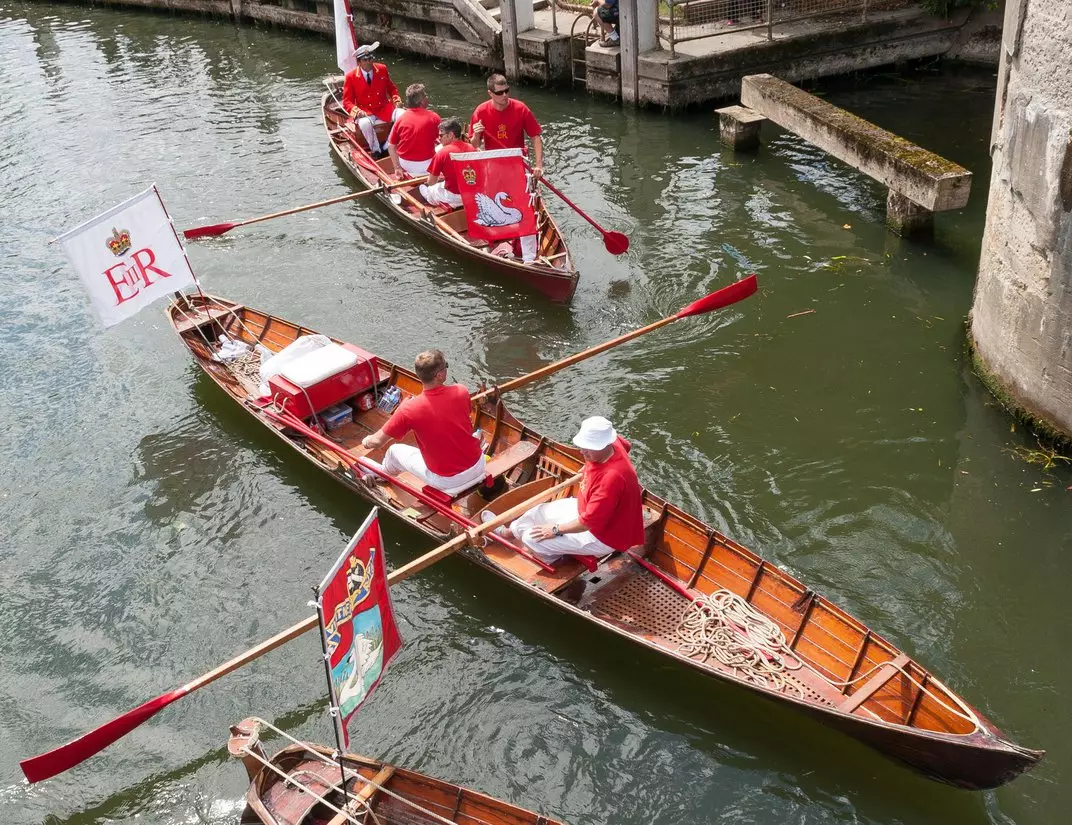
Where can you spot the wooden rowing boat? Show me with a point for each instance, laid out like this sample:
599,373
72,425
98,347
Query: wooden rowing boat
302,785
552,273
837,669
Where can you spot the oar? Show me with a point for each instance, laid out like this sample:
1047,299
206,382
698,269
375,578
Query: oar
63,758
217,229
716,300
615,242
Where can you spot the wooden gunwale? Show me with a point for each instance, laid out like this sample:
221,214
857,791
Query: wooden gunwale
556,282
775,592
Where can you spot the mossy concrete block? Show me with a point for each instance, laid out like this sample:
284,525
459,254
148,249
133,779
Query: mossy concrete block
738,127
916,173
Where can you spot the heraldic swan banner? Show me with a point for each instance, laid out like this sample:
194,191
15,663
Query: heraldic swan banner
493,212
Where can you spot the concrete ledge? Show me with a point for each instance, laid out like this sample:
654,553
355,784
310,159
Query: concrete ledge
738,127
916,173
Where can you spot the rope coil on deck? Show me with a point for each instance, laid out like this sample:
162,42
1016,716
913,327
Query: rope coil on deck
724,626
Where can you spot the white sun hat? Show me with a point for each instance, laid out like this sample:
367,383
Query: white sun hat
595,434
364,52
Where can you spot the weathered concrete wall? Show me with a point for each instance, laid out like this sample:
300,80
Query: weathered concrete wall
1021,324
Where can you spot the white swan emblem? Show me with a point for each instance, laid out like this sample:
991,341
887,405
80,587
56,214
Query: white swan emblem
493,213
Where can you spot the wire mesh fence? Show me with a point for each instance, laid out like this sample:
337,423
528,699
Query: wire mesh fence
683,20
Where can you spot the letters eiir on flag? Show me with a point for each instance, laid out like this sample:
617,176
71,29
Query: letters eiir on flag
494,190
128,257
357,623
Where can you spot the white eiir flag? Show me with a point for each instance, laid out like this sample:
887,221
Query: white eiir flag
345,45
128,257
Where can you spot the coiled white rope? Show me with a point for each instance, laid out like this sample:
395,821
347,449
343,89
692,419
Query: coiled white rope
725,626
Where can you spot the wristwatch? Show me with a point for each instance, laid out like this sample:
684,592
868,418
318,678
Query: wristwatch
555,530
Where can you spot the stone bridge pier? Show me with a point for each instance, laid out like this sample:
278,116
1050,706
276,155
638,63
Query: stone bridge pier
1021,322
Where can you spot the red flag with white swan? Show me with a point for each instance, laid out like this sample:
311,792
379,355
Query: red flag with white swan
494,186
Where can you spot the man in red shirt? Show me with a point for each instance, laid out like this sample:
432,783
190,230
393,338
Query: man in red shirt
502,123
447,456
442,184
414,136
370,97
606,516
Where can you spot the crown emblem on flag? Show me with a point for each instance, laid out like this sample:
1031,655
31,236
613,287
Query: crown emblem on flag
119,243
469,175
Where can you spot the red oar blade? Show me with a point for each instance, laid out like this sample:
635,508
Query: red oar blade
616,242
78,750
721,298
208,231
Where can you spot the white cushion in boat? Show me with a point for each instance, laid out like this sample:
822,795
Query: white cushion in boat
318,365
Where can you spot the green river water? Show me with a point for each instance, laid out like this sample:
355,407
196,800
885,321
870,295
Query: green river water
149,530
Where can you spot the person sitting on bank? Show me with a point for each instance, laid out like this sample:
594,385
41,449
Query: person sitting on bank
413,139
606,516
442,184
447,456
605,13
370,97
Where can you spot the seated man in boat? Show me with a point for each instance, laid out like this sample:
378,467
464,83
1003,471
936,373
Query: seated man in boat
503,123
370,97
442,184
413,139
606,516
447,455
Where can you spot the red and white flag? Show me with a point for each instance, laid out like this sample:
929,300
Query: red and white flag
357,622
494,186
345,43
128,257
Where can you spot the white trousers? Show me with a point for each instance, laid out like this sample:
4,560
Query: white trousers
403,457
437,194
416,168
568,544
366,123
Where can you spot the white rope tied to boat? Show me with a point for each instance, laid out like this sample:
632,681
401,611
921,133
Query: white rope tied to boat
724,626
727,627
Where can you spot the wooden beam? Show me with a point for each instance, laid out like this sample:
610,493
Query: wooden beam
885,672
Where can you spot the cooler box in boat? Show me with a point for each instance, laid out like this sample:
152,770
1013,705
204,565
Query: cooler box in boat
323,377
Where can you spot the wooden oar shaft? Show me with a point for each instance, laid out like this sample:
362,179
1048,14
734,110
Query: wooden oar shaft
386,187
404,572
75,752
550,369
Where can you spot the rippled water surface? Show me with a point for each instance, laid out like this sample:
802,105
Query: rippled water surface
148,531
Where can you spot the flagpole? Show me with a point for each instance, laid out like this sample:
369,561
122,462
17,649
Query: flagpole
186,257
336,712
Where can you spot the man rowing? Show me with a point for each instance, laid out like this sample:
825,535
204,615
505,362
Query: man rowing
502,123
369,96
413,139
606,516
442,184
447,455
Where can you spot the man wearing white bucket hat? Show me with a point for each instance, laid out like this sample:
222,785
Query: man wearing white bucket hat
370,97
606,516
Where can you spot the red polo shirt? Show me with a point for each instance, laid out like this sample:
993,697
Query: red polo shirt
439,419
505,129
610,503
443,166
414,134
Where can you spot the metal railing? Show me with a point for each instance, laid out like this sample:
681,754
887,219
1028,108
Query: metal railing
682,20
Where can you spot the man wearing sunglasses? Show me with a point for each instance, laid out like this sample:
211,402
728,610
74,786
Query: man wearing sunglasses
502,123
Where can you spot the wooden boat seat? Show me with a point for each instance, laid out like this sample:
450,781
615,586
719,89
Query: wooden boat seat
368,790
193,319
886,672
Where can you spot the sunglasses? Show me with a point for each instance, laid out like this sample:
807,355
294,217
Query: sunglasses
498,92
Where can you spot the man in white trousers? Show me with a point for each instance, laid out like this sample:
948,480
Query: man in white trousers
606,516
447,456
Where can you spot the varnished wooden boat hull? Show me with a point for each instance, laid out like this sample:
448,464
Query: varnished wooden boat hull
397,797
557,279
900,710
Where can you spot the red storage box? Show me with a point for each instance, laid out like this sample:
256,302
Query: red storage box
323,378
